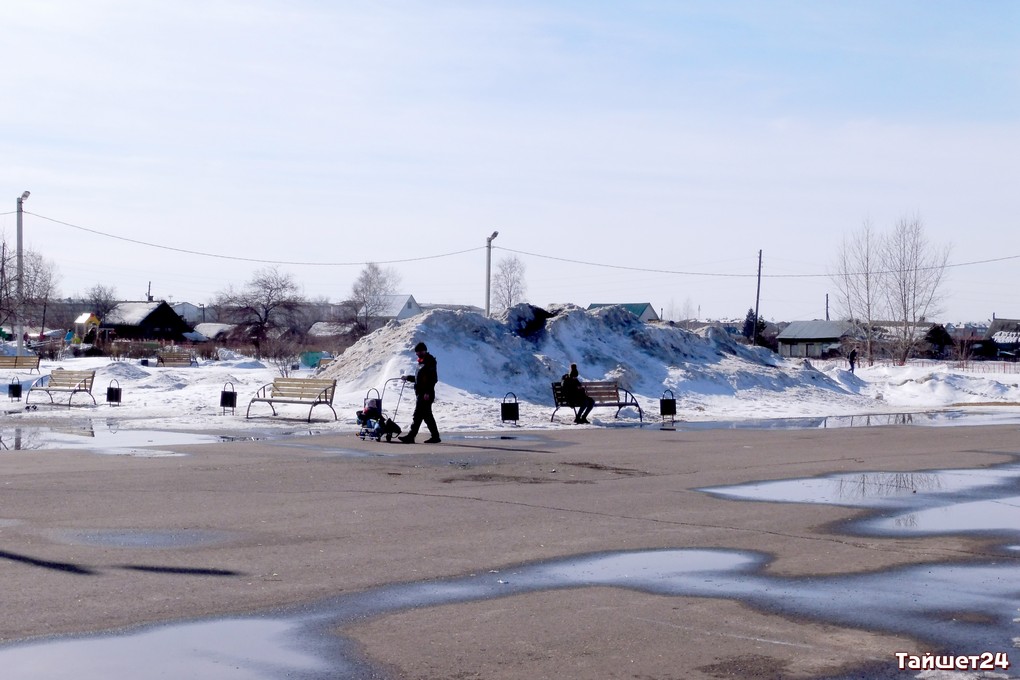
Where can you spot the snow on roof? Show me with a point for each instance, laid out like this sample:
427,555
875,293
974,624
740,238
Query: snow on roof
325,329
130,313
213,330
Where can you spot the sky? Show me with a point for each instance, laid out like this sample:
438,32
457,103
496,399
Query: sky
625,152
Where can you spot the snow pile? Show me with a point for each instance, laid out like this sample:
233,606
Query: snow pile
516,356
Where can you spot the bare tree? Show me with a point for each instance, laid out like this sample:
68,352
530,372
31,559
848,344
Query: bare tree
370,292
267,304
40,284
508,287
857,274
101,300
914,272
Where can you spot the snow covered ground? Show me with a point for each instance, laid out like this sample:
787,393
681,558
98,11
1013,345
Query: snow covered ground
482,360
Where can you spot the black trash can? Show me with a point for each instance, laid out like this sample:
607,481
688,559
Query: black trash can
510,410
228,397
667,407
113,393
14,389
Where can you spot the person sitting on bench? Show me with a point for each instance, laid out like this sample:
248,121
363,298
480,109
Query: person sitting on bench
576,396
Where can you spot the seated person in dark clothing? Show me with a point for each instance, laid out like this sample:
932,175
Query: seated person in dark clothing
576,396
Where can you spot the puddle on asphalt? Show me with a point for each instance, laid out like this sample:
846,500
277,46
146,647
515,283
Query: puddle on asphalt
106,437
932,602
954,417
935,502
961,607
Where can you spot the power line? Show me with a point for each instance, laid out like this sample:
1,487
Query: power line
603,265
248,259
725,275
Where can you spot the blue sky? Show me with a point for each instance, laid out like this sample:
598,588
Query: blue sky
669,140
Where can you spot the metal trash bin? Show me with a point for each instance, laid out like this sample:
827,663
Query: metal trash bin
14,389
113,393
667,408
510,410
228,397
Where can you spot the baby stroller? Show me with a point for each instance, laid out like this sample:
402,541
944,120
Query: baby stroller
375,424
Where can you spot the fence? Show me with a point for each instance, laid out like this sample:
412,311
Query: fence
1007,367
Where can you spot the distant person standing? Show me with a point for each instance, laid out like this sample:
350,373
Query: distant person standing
576,396
853,359
425,395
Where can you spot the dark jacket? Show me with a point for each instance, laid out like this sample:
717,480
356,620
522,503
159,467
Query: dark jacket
572,390
427,377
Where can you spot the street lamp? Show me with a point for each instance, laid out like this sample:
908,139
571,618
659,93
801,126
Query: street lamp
488,269
20,326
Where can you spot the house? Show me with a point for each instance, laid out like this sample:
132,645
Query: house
642,310
192,313
390,307
815,339
1004,334
145,321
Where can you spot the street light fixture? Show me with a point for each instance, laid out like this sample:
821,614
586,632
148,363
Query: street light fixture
488,270
20,326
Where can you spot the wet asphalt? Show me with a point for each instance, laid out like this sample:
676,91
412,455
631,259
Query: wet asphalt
577,553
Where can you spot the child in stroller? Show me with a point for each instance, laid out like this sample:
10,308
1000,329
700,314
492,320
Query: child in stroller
374,424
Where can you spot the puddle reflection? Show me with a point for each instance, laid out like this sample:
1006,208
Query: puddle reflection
87,435
922,418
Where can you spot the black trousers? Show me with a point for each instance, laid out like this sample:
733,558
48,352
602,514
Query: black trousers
423,414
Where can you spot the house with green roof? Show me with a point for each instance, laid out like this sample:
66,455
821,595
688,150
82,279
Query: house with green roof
642,310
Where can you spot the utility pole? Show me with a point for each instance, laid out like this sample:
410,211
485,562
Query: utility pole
488,269
20,326
757,297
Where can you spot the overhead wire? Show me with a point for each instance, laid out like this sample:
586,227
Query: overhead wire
603,265
256,260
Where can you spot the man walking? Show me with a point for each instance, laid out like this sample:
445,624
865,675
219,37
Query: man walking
425,395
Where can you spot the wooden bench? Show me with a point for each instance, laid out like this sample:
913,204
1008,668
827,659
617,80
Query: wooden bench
64,381
605,393
29,361
176,359
311,391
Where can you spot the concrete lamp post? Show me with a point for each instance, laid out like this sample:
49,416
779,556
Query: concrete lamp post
488,270
19,327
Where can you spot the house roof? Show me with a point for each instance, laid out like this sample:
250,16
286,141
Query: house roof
816,330
391,306
1002,327
214,330
324,329
130,313
635,308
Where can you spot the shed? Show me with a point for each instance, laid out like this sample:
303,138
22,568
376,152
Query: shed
814,339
